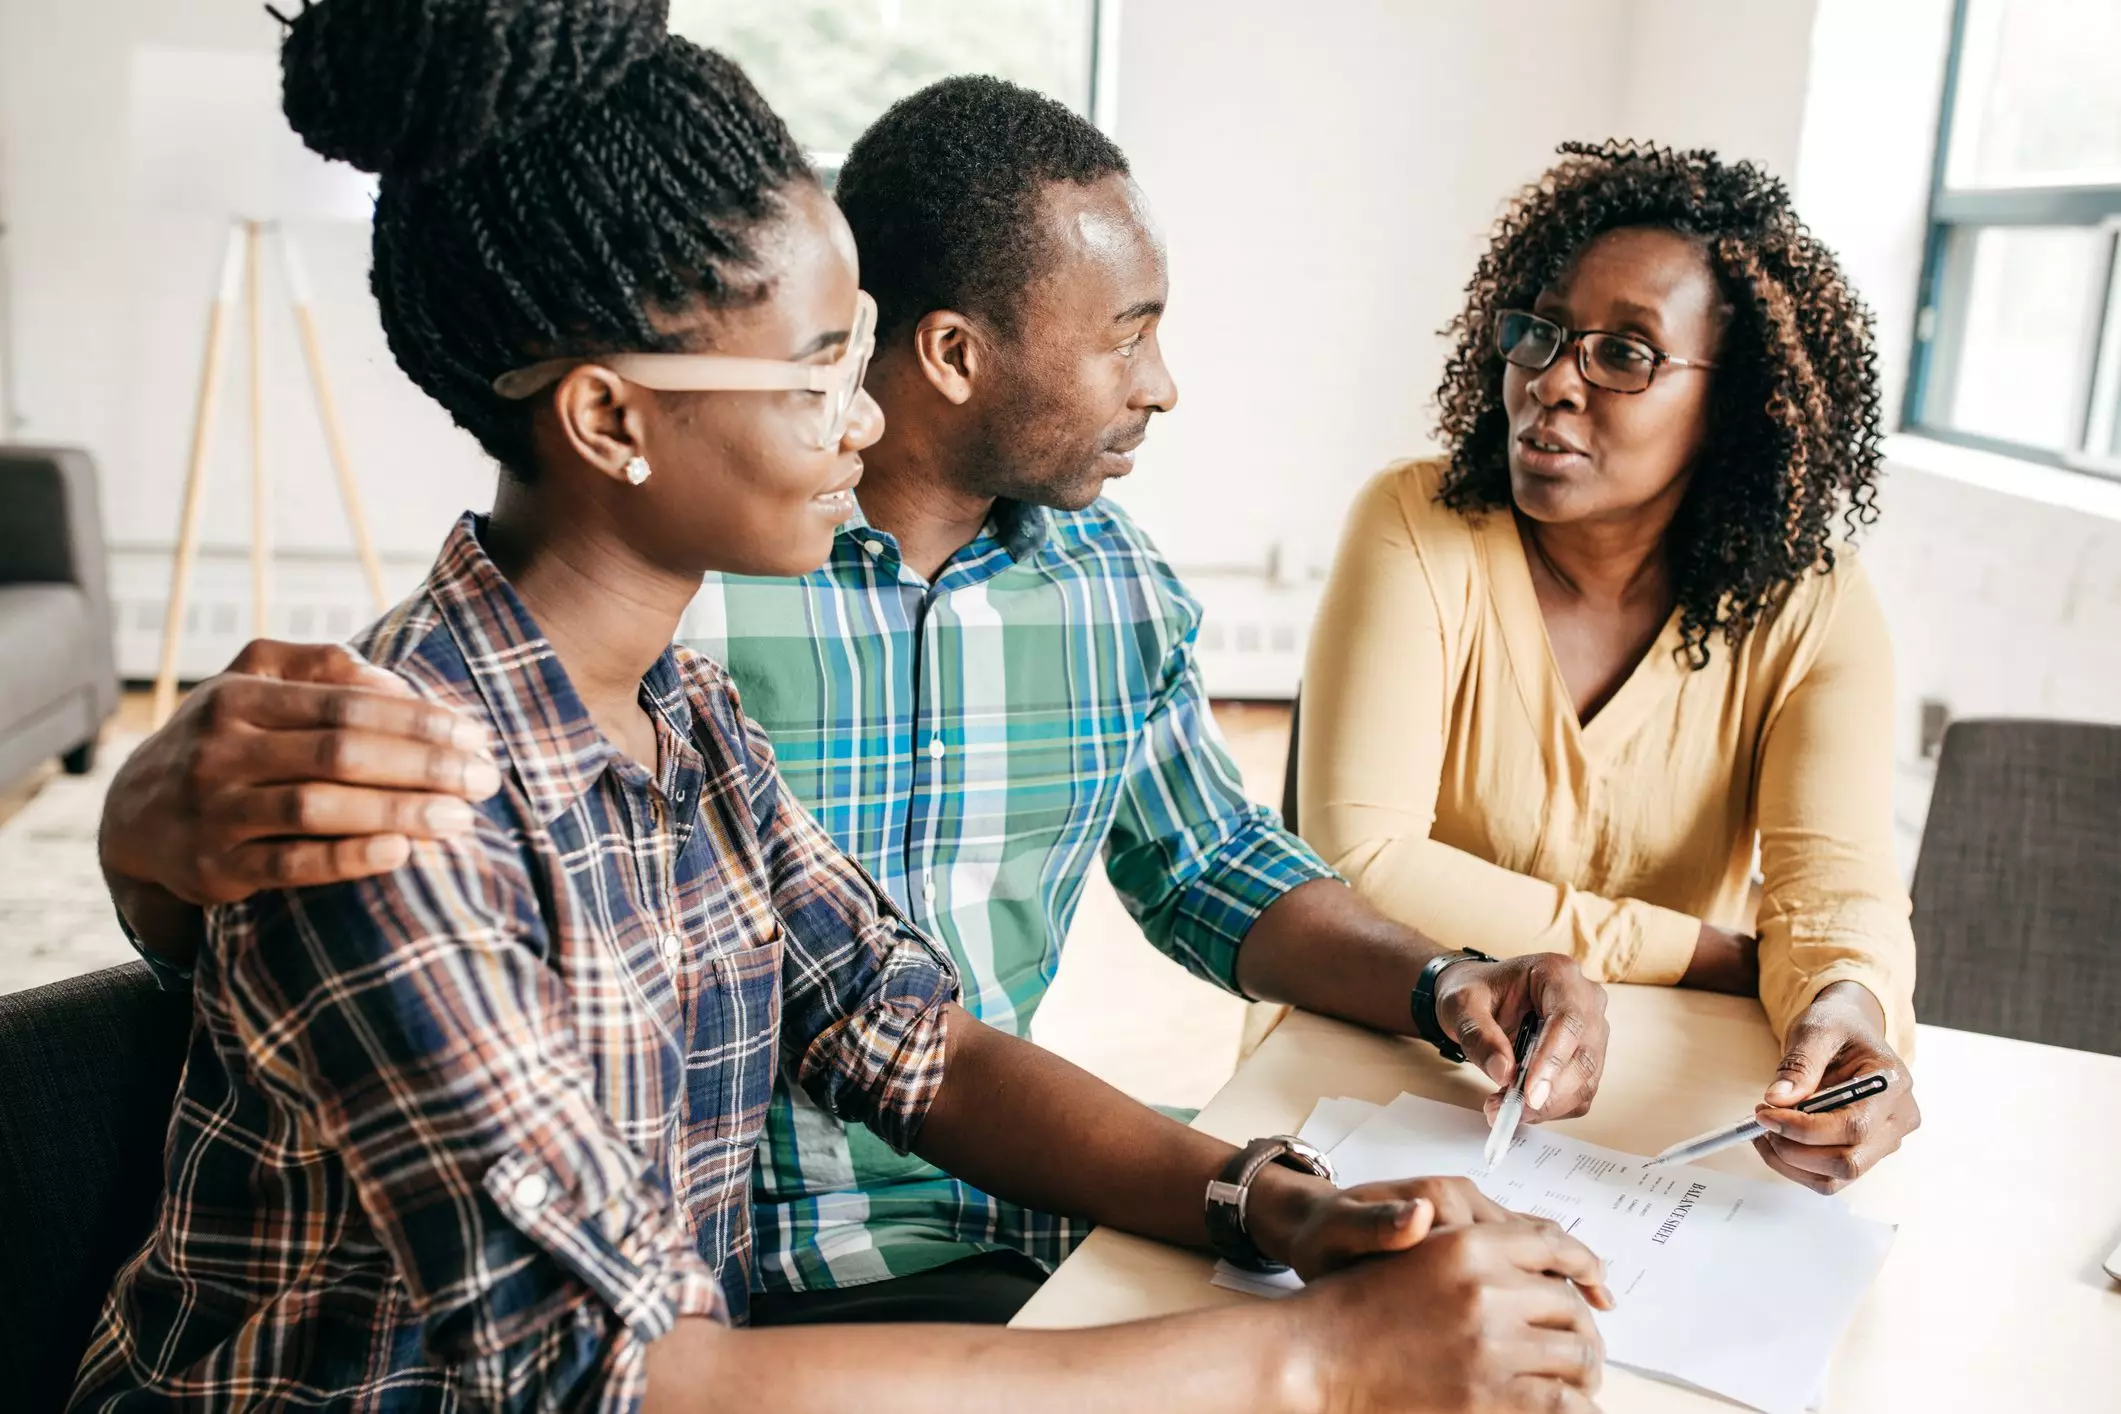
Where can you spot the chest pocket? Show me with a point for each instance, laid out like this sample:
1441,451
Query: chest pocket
727,972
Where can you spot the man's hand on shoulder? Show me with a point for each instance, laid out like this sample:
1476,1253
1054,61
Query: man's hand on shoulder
299,765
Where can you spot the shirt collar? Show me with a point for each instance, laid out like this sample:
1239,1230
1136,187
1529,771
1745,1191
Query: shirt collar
540,723
1021,527
1018,526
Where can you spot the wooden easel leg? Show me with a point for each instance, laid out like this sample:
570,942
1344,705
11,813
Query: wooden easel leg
260,484
328,414
165,699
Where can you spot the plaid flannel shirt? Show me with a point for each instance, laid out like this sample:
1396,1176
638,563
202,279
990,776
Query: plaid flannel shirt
475,1133
977,743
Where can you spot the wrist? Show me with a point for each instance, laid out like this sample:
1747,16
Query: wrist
1856,997
1429,990
1282,1200
157,920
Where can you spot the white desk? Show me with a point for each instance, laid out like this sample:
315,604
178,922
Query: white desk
2007,1199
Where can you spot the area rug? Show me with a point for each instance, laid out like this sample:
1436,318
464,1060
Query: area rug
55,915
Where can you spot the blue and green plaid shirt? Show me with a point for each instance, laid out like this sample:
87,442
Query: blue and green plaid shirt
975,743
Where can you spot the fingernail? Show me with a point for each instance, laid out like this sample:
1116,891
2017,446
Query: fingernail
448,817
1781,1090
1537,1097
1771,1126
468,736
1499,1069
481,779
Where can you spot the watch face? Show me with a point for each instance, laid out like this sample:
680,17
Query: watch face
1309,1157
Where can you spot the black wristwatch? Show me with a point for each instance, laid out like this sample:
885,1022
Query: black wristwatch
1423,1002
1227,1192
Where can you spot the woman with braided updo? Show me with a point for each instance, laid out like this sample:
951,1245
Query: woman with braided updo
1566,677
479,1131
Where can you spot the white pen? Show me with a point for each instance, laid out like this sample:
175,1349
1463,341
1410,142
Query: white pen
1512,1111
1747,1130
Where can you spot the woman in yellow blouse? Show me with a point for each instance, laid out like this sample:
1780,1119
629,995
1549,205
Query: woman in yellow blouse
1565,678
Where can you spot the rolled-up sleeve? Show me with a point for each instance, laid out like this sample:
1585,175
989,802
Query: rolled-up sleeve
1193,858
412,1019
863,992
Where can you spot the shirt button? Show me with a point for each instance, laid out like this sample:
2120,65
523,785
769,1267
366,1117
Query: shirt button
671,945
928,890
531,1191
872,548
936,748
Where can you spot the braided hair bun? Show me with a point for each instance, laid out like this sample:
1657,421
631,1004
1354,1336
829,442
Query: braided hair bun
417,88
554,173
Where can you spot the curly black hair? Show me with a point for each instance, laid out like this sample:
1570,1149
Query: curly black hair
553,173
942,189
1794,432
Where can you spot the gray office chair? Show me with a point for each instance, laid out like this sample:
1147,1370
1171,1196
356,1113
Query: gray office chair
88,1075
2018,887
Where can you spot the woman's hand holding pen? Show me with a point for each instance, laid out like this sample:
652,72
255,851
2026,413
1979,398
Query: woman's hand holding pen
1840,1035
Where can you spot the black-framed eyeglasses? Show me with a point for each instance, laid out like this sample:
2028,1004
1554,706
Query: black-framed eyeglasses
1618,363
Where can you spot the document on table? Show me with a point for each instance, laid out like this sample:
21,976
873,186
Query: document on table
1738,1286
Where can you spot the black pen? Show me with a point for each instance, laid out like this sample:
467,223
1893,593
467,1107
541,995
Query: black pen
1839,1097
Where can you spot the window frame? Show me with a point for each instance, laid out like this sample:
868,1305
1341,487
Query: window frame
1952,211
1097,99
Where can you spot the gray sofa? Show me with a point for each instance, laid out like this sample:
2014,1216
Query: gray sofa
58,673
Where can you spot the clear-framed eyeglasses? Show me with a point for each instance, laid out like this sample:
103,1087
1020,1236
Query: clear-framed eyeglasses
837,384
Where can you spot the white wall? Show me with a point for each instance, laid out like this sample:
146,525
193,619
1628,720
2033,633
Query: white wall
109,304
1326,175
1724,75
1323,174
2002,584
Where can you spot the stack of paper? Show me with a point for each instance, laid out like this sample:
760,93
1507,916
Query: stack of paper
1735,1285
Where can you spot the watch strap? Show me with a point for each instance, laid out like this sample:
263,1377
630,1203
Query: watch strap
1423,1002
1228,1192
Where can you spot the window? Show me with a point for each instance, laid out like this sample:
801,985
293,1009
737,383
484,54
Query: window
831,66
2018,343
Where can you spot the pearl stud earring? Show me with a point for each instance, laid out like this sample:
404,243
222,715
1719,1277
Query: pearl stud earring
637,470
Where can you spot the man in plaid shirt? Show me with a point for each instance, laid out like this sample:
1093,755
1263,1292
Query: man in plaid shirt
991,683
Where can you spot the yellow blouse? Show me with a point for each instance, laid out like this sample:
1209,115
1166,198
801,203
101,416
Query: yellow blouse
1444,771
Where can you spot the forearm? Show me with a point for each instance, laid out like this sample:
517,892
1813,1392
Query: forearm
1020,1122
1724,961
1244,1359
1462,900
1322,948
